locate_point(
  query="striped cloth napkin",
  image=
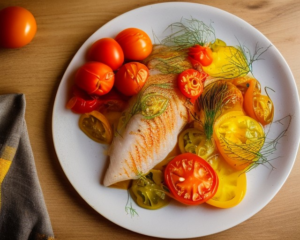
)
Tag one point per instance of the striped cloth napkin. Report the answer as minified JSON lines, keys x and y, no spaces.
{"x":23,"y":213}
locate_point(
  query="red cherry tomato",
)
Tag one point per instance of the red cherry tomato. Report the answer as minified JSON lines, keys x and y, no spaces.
{"x":190,"y":179}
{"x":17,"y":27}
{"x":81,"y":102}
{"x":131,"y":78}
{"x":136,"y":44}
{"x":113,"y":101}
{"x":200,"y":54}
{"x":190,"y":83}
{"x":107,"y":51}
{"x":95,"y":78}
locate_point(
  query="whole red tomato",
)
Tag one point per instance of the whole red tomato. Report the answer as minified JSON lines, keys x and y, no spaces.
{"x":95,"y":78}
{"x":17,"y":27}
{"x":190,"y":179}
{"x":131,"y":78}
{"x":136,"y":44}
{"x":202,"y":55}
{"x":107,"y":51}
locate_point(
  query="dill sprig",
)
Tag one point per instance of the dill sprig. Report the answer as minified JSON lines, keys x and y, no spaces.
{"x":211,"y":102}
{"x":189,"y":32}
{"x":128,"y":207}
{"x":138,"y":106}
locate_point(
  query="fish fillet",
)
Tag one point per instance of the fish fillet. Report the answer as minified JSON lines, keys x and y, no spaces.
{"x":146,"y":142}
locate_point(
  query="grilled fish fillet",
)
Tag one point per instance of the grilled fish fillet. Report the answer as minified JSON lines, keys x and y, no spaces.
{"x":146,"y":142}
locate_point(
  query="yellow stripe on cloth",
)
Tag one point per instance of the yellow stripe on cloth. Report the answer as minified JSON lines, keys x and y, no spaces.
{"x":5,"y":162}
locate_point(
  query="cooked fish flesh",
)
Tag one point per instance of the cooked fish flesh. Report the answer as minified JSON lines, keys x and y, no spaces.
{"x":146,"y":141}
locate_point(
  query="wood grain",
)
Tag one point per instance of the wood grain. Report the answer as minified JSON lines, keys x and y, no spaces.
{"x":37,"y":69}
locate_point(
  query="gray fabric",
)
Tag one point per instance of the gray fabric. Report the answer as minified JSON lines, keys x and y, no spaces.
{"x":23,"y":214}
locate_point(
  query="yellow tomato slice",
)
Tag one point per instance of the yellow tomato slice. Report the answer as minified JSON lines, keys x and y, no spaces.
{"x":194,"y":141}
{"x":232,"y":183}
{"x":228,"y":62}
{"x":96,"y":126}
{"x":239,"y":139}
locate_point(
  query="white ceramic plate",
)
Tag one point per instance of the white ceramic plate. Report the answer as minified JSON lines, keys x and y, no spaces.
{"x":84,"y":163}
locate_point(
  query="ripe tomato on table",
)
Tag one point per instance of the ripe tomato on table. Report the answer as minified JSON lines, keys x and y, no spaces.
{"x":17,"y":27}
{"x":136,"y":44}
{"x":190,"y":179}
{"x":107,"y":51}
{"x":95,"y":78}
{"x":131,"y":78}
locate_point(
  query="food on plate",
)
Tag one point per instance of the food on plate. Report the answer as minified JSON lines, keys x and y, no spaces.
{"x":193,"y":140}
{"x":96,"y":126}
{"x":239,"y":139}
{"x":191,"y":179}
{"x":107,"y":51}
{"x":136,"y":44}
{"x":200,"y":54}
{"x":131,"y":77}
{"x":143,"y":141}
{"x":17,"y":27}
{"x":190,"y":83}
{"x":187,"y":123}
{"x":232,"y":184}
{"x":95,"y":78}
{"x":148,"y":191}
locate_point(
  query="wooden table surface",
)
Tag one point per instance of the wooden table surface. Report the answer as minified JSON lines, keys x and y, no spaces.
{"x":36,"y":71}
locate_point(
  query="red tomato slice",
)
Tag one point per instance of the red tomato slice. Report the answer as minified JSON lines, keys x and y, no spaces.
{"x":95,"y":78}
{"x":191,"y":179}
{"x":107,"y":51}
{"x":190,"y":83}
{"x":203,"y":55}
{"x":80,"y":105}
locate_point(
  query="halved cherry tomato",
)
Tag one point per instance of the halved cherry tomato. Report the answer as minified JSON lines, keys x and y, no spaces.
{"x":148,"y":192}
{"x":136,"y":44}
{"x":107,"y":51}
{"x":190,"y":83}
{"x":232,"y":183}
{"x":95,"y":78}
{"x":96,"y":126}
{"x":200,"y":54}
{"x":131,"y":78}
{"x":239,"y":139}
{"x":17,"y":27}
{"x":190,"y":179}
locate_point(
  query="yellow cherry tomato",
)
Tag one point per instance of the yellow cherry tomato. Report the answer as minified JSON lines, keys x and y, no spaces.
{"x":232,"y":183}
{"x":228,"y":62}
{"x":147,"y":191}
{"x":239,"y":139}
{"x":96,"y":126}
{"x":263,"y":108}
{"x":194,"y":141}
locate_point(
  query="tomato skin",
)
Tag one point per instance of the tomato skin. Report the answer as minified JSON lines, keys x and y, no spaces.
{"x":96,"y":126}
{"x":190,"y":83}
{"x":80,"y":105}
{"x":131,"y":78}
{"x":107,"y":51}
{"x":136,"y":44}
{"x":95,"y":78}
{"x":17,"y":27}
{"x":190,"y":179}
{"x":200,"y":54}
